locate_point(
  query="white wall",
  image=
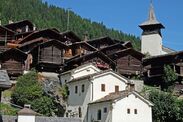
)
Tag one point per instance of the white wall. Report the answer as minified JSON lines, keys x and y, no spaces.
{"x":85,"y":71}
{"x":119,"y":113}
{"x":93,"y":111}
{"x":81,"y":99}
{"x":26,"y":118}
{"x":79,"y":72}
{"x":110,"y":80}
{"x":152,"y":44}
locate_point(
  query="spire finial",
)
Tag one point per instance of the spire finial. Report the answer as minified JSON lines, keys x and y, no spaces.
{"x":151,"y":12}
{"x":151,"y":1}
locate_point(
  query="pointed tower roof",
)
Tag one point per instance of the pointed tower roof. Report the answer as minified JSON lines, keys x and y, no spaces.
{"x":151,"y":19}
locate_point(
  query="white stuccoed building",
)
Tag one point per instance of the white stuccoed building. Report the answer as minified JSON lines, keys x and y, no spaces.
{"x":80,"y":71}
{"x":89,"y":88}
{"x":125,"y":106}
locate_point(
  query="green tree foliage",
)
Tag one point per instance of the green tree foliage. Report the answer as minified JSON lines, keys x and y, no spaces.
{"x":167,"y":108}
{"x":169,"y":76}
{"x":7,"y":110}
{"x":49,"y":16}
{"x":29,"y":91}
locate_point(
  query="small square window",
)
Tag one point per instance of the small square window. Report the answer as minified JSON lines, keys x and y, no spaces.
{"x":135,"y":111}
{"x":105,"y":110}
{"x":128,"y":111}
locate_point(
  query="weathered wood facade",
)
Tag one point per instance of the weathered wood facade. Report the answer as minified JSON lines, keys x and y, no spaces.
{"x":128,"y":62}
{"x":102,"y":42}
{"x":13,"y":60}
{"x":112,"y":49}
{"x":49,"y":56}
{"x":21,"y":26}
{"x":97,"y":58}
{"x":154,"y":66}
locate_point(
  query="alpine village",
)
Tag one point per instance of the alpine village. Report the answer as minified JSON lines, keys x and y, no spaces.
{"x":55,"y":71}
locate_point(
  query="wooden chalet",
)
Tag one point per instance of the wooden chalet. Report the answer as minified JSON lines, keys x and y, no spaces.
{"x":79,"y":48}
{"x":71,"y":37}
{"x":46,"y":33}
{"x":154,"y":66}
{"x":128,"y":62}
{"x":20,"y":26}
{"x":6,"y":35}
{"x":112,"y":48}
{"x":13,"y":60}
{"x":48,"y":56}
{"x":102,"y":42}
{"x":97,"y":58}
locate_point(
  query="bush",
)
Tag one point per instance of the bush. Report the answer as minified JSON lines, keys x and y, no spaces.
{"x":167,"y":108}
{"x":29,"y":91}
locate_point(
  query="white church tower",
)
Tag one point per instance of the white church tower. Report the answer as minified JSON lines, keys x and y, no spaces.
{"x":151,"y":40}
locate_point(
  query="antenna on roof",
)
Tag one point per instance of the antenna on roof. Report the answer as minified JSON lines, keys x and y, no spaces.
{"x":68,"y":14}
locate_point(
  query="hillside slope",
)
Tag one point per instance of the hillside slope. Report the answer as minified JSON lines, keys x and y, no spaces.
{"x":45,"y":16}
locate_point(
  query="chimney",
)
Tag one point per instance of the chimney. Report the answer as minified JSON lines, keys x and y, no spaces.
{"x":0,"y":22}
{"x":34,"y":27}
{"x":26,"y":28}
{"x":26,"y":114}
{"x":130,"y":87}
{"x":10,"y":21}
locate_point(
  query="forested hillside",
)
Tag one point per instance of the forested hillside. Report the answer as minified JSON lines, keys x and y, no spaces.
{"x":49,"y":16}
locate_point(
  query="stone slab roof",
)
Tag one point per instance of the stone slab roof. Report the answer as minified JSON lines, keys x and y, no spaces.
{"x":4,"y":80}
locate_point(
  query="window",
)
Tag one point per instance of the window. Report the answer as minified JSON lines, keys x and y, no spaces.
{"x":116,"y":88}
{"x":80,"y":114}
{"x":102,"y":87}
{"x":83,"y":88}
{"x":135,"y":111}
{"x":99,"y":115}
{"x":68,"y":92}
{"x":128,"y":111}
{"x":105,"y":110}
{"x":76,"y":89}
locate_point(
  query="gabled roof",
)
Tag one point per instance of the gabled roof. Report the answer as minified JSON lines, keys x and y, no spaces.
{"x":125,"y":52}
{"x":55,"y":42}
{"x":115,"y":96}
{"x":102,"y":40}
{"x":151,"y":19}
{"x":14,"y":51}
{"x":27,"y":111}
{"x":167,"y":50}
{"x":168,"y":58}
{"x":80,"y":67}
{"x":4,"y":80}
{"x":71,"y":35}
{"x":99,"y":74}
{"x":84,"y":45}
{"x":4,"y":30}
{"x":117,"y":45}
{"x":47,"y":33}
{"x":91,"y":56}
{"x":19,"y":24}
